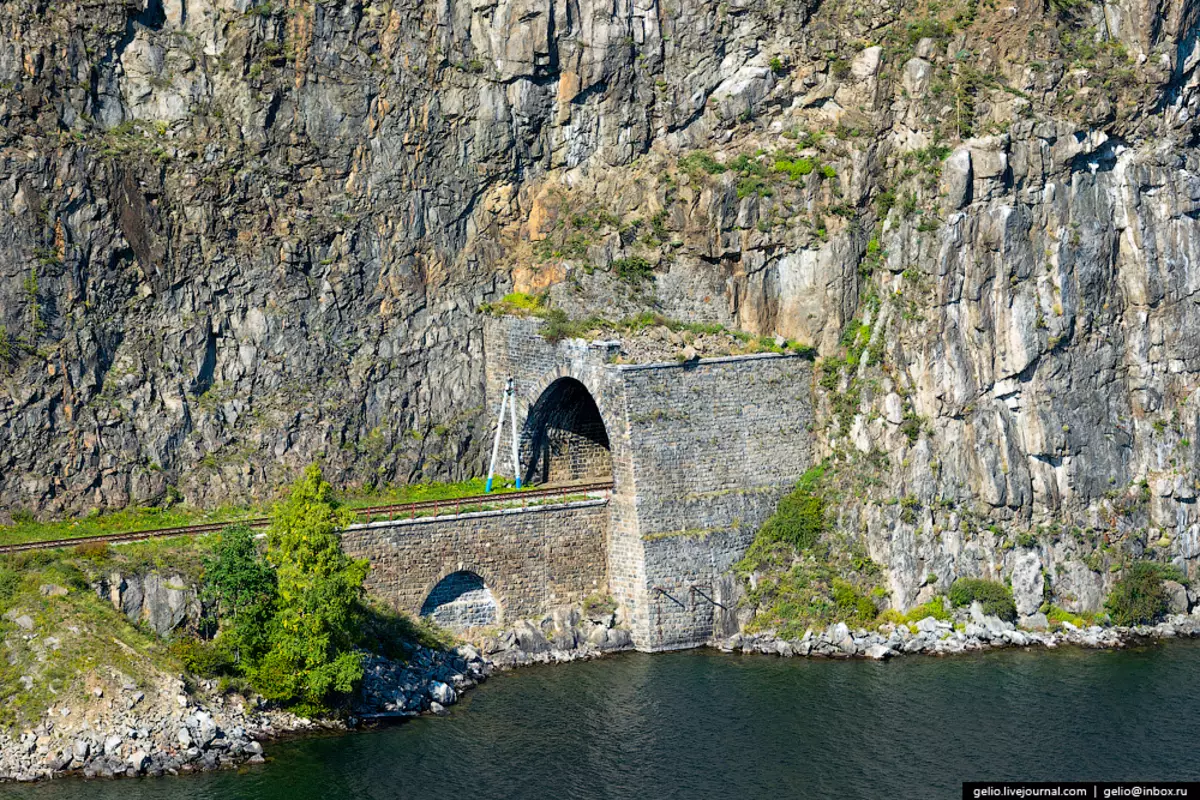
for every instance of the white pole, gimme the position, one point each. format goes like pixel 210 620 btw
pixel 496 443
pixel 512 411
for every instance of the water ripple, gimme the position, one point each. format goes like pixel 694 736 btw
pixel 706 725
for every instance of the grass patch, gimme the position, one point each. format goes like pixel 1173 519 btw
pixel 94 641
pixel 1057 616
pixel 557 325
pixel 935 608
pixel 516 303
pixel 141 519
pixel 699 163
pixel 98 523
pixel 809 595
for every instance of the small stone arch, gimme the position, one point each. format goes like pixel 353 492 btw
pixel 460 601
pixel 564 438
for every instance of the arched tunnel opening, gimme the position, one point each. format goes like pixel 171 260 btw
pixel 565 439
pixel 460 601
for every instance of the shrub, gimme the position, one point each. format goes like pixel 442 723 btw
pixel 1139 596
pixel 556 326
pixel 934 608
pixel 700 162
pixel 598 604
pixel 96 552
pixel 1058 616
pixel 851 605
pixel 795 168
pixel 206 659
pixel 10 584
pixel 633 268
pixel 798 520
pixel 995 598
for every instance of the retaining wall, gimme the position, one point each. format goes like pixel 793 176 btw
pixel 532 559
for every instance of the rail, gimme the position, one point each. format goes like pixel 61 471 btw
pixel 394 511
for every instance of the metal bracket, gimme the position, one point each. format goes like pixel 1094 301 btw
pixel 697 590
pixel 663 591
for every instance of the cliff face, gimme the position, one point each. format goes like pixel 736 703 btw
pixel 246 235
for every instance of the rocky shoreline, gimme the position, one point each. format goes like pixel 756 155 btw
pixel 204 730
pixel 173 728
pixel 971 632
pixel 128 732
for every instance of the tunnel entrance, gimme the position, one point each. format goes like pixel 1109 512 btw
pixel 460 601
pixel 565 438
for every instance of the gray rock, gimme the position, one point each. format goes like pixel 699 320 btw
pixel 879 652
pixel 442 693
pixel 139 761
pixel 1027 581
pixel 956 170
pixel 529 638
pixel 1177 597
pixel 617 638
pixel 1035 622
pixel 597 635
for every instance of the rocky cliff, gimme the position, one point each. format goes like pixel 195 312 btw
pixel 243 235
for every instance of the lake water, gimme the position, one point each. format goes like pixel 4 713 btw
pixel 701 724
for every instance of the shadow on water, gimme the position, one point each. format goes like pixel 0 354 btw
pixel 701 724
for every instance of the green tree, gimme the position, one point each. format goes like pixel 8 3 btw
pixel 318 612
pixel 243 586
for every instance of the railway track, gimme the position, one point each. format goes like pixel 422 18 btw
pixel 394 511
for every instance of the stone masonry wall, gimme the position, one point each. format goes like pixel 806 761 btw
pixel 531 559
pixel 701 452
pixel 715 443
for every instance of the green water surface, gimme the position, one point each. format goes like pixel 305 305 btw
pixel 701 724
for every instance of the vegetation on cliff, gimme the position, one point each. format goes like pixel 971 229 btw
pixel 557 325
pixel 60 636
pixel 1140 596
pixel 796 580
pixel 994 598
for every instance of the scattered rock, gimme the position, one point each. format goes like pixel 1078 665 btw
pixel 1177 597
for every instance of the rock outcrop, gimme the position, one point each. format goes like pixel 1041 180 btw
pixel 247 234
pixel 163 603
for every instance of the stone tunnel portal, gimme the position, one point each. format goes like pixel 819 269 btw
pixel 565 438
pixel 460 601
